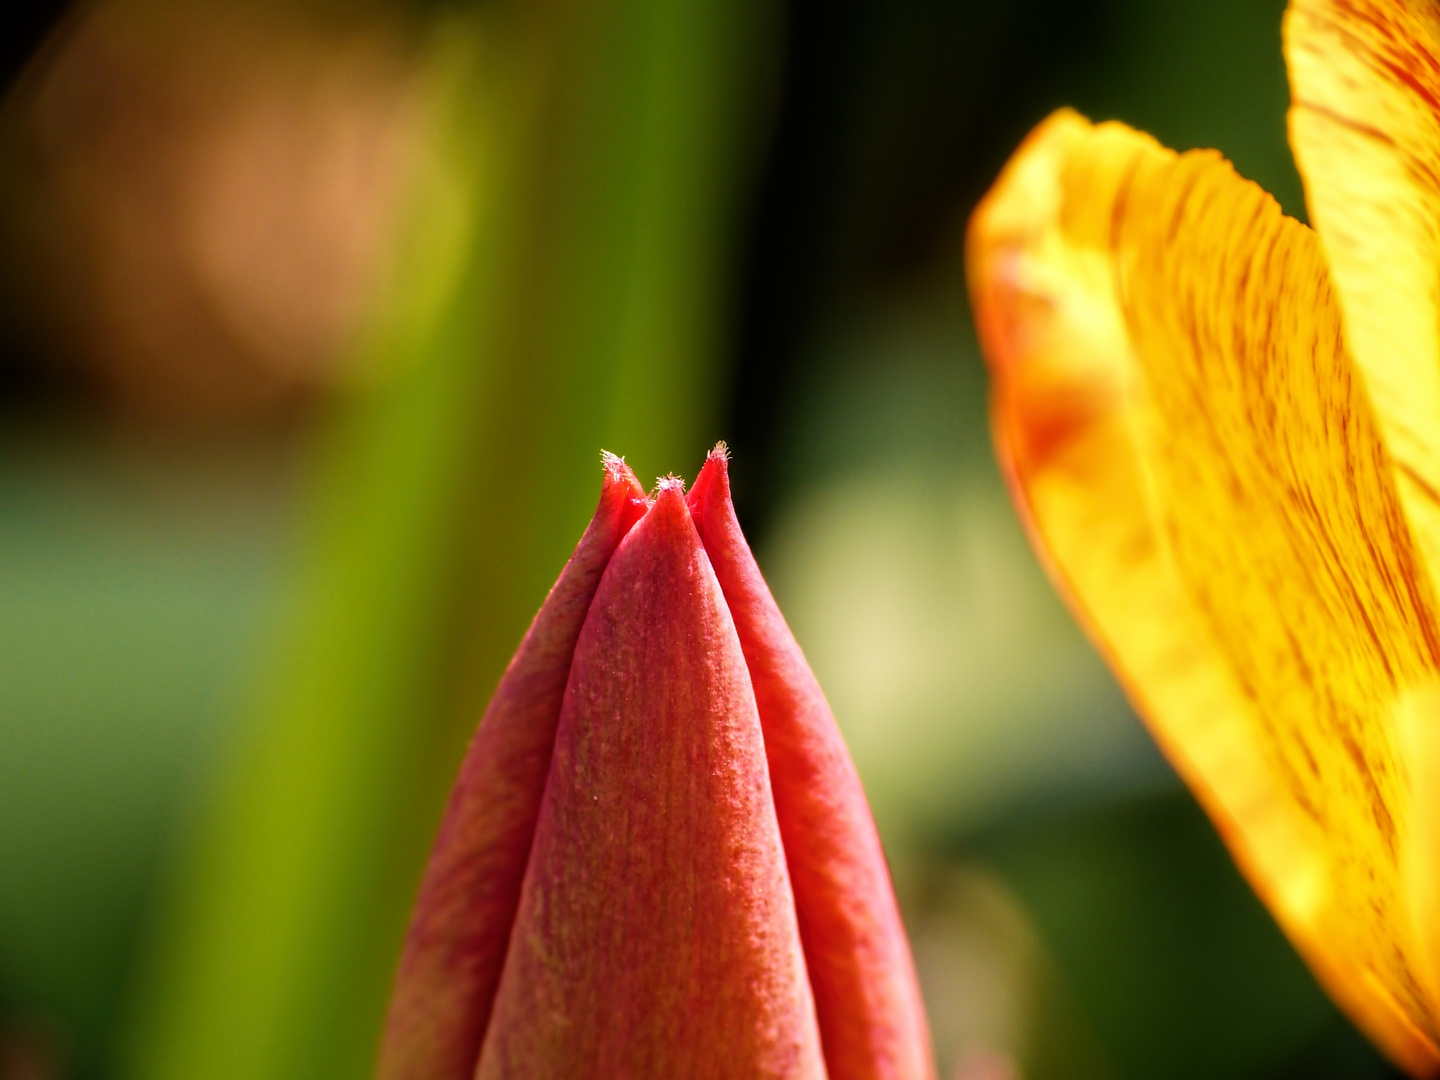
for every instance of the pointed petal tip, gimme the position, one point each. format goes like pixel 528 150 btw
pixel 667 485
pixel 669 516
pixel 619 484
pixel 713 483
pixel 716 469
pixel 617 471
pixel 668 502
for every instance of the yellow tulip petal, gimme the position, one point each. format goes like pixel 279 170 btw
pixel 1184 433
pixel 1365 126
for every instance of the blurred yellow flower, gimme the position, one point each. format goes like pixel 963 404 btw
pixel 1223 431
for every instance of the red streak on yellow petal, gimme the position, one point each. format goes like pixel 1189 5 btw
pixel 458 935
pixel 656 935
pixel 872 1019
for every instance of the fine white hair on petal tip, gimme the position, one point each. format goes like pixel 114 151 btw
pixel 665 483
pixel 720 450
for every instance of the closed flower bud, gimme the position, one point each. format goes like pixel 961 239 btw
pixel 657 860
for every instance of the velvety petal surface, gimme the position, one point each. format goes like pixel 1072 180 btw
pixel 1365 126
pixel 872 1018
pixel 656 935
pixel 1199 464
pixel 460 929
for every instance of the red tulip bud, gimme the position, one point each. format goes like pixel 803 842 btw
pixel 657 860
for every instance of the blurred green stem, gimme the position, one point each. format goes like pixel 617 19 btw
pixel 560 291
